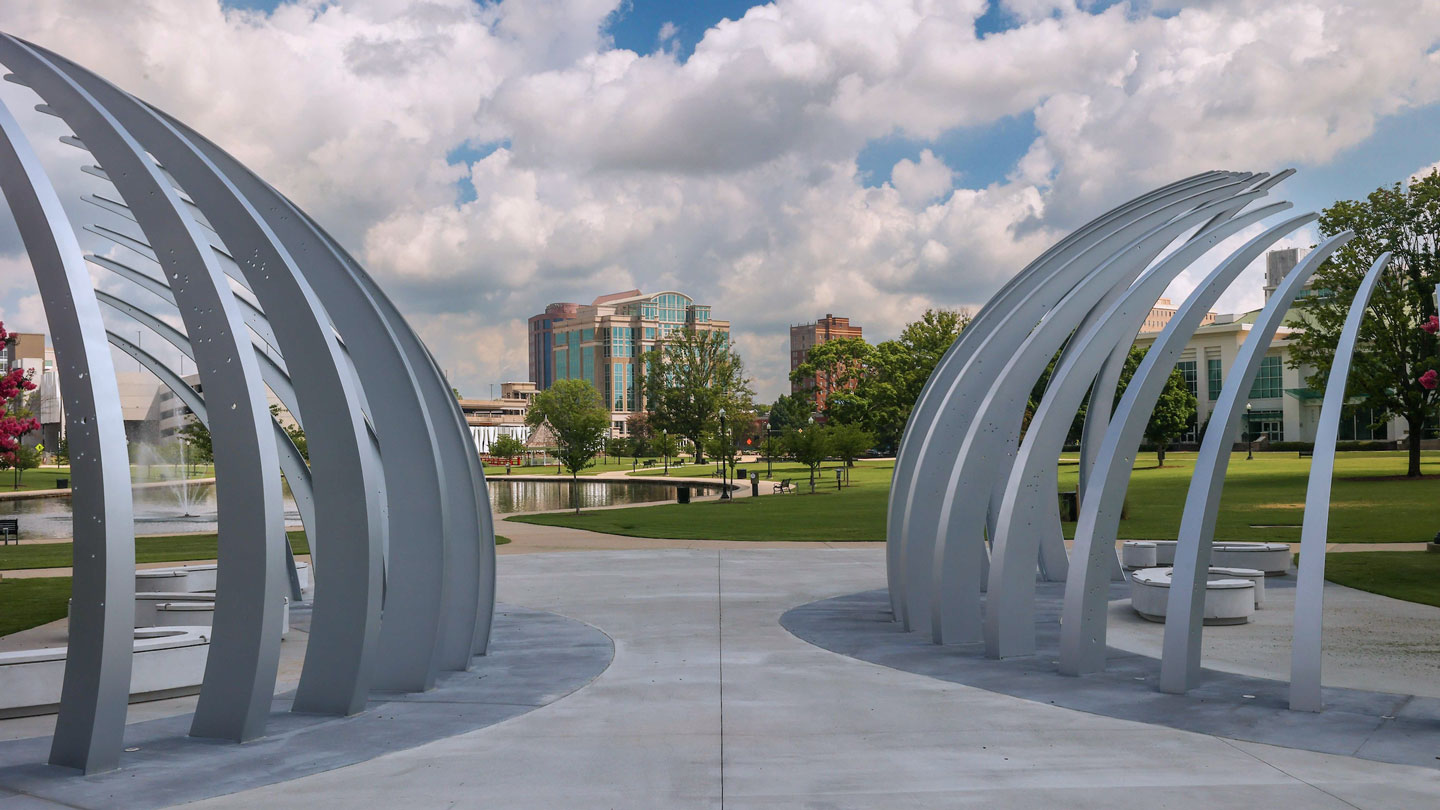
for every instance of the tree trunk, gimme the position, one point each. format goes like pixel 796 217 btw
pixel 575 490
pixel 1416 425
pixel 1160 456
pixel 699 449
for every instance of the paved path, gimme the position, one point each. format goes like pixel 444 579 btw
pixel 710 703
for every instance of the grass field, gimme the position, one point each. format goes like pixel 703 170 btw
pixel 1410 575
pixel 1371 502
pixel 44 477
pixel 165 548
pixel 27 603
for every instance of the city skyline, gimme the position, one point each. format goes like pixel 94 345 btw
pixel 759 154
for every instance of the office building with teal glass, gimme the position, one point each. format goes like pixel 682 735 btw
pixel 603 342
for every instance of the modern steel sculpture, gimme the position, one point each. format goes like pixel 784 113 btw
pixel 381 620
pixel 973 505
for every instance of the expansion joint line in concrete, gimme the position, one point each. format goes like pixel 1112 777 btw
pixel 1286 773
pixel 720 659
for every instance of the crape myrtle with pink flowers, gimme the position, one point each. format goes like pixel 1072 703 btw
pixel 15 421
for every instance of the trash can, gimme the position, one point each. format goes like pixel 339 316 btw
pixel 62 483
pixel 682 494
pixel 1069 506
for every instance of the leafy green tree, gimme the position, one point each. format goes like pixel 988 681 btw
pixel 790 411
pixel 197 436
pixel 1174 411
pixel 834 365
pixel 295 432
pixel 579 421
pixel 617 448
pixel 895 373
pixel 809 446
pixel 507 447
pixel 665 445
pixel 847 442
pixel 1396 351
pixel 688 379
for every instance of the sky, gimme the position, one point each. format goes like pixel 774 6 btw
pixel 779 161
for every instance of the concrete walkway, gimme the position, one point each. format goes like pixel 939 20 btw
pixel 710 703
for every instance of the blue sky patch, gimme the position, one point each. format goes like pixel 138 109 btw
pixel 982 155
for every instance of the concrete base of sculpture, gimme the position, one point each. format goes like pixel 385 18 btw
pixel 194 610
pixel 1139 554
pixel 1272 558
pixel 1228 599
pixel 168 662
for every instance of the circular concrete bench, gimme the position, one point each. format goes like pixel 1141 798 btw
pixel 189 612
pixel 1254 575
pixel 1138 554
pixel 1228 600
pixel 167 662
pixel 1272 558
pixel 161 580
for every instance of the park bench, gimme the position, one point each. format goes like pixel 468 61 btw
pixel 784 486
pixel 649 462
pixel 10 531
pixel 1307 453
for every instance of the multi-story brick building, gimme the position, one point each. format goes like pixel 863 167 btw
pixel 807 336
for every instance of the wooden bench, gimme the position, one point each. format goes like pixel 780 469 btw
pixel 1307 453
pixel 784 486
pixel 649 462
pixel 10 531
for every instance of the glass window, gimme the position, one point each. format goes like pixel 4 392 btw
pixel 1192 382
pixel 1268 379
pixel 1360 423
pixel 1213 378
pixel 587 363
pixel 1268 423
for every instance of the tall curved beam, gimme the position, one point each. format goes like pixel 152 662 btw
pixel 1010 607
pixel 96 688
pixel 1053 556
pixel 1082 636
pixel 1305 644
pixel 345 622
pixel 1185 611
pixel 959 388
pixel 922 426
pixel 292 464
pixel 424 628
pixel 275 377
pixel 958 541
pixel 240 670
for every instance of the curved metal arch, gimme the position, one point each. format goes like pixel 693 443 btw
pixel 292 464
pixel 958 541
pixel 1010 609
pixel 274 377
pixel 916 438
pixel 94 694
pixel 1082 647
pixel 240 670
pixel 1305 643
pixel 1180 655
pixel 345 624
pixel 959 387
pixel 427 599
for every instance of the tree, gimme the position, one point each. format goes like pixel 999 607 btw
pixel 896 371
pixel 507 447
pixel 1397 350
pixel 809 446
pixel 688 379
pixel 848 441
pixel 197 436
pixel 665 445
pixel 295 432
pixel 833 365
pixel 1174 411
pixel 790 411
pixel 579 421
pixel 638 426
pixel 22 458
pixel 15 420
pixel 617 447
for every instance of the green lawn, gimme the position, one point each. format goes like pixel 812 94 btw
pixel 1371 502
pixel 44 477
pixel 164 548
pixel 27 603
pixel 1410 575
pixel 855 513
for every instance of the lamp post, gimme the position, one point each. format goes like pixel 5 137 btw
pixel 1249 433
pixel 770 452
pixel 725 449
pixel 665 448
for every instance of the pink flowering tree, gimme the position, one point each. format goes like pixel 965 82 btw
pixel 15 420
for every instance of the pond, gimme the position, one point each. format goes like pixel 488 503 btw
pixel 169 510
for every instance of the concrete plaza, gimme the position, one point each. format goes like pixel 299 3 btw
pixel 710 703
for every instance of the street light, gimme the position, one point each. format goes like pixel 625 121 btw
pixel 1249 433
pixel 665 448
pixel 724 449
